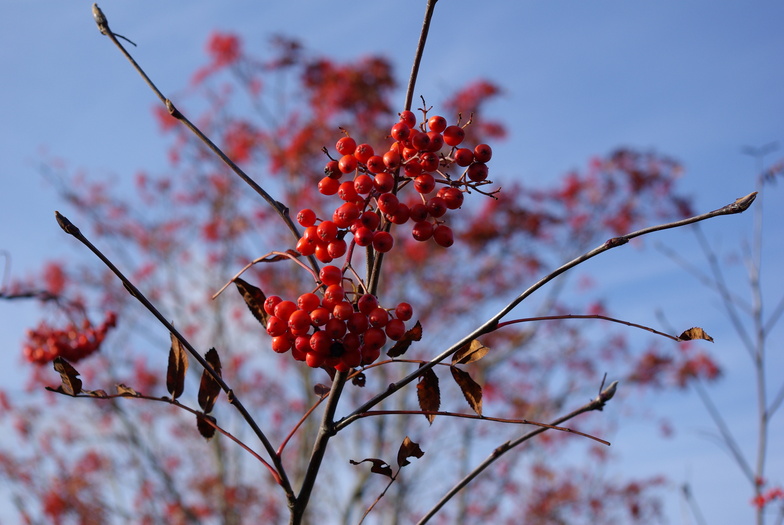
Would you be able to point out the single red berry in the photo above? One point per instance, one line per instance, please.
(333, 295)
(375, 164)
(328, 186)
(284, 309)
(306, 217)
(378, 317)
(418, 212)
(351, 359)
(420, 140)
(388, 203)
(345, 214)
(347, 192)
(347, 164)
(408, 118)
(395, 329)
(363, 236)
(330, 275)
(363, 184)
(454, 135)
(404, 311)
(477, 171)
(443, 236)
(270, 303)
(314, 360)
(436, 141)
(367, 303)
(436, 123)
(483, 153)
(299, 322)
(320, 342)
(463, 157)
(401, 131)
(363, 152)
(412, 168)
(322, 253)
(382, 241)
(351, 342)
(452, 196)
(276, 326)
(335, 328)
(370, 220)
(320, 316)
(401, 214)
(337, 248)
(370, 355)
(391, 159)
(308, 302)
(346, 146)
(429, 161)
(422, 231)
(332, 170)
(358, 323)
(374, 338)
(281, 344)
(327, 231)
(384, 182)
(436, 207)
(343, 310)
(306, 247)
(301, 347)
(425, 183)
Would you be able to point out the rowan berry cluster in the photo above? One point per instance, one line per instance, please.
(72, 343)
(421, 157)
(334, 329)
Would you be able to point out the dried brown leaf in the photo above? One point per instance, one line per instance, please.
(695, 333)
(125, 390)
(411, 335)
(70, 384)
(254, 298)
(321, 390)
(428, 394)
(379, 466)
(408, 449)
(206, 430)
(470, 388)
(209, 388)
(178, 365)
(474, 351)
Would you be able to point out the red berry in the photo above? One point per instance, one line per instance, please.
(308, 302)
(347, 163)
(382, 241)
(319, 316)
(391, 159)
(418, 211)
(284, 309)
(276, 326)
(332, 170)
(419, 140)
(388, 203)
(306, 247)
(404, 311)
(408, 118)
(443, 236)
(337, 248)
(370, 220)
(374, 338)
(412, 168)
(378, 317)
(328, 186)
(299, 322)
(335, 328)
(452, 196)
(327, 231)
(363, 184)
(343, 310)
(320, 342)
(463, 157)
(436, 207)
(363, 236)
(422, 231)
(346, 146)
(483, 153)
(370, 355)
(281, 344)
(315, 360)
(345, 214)
(270, 303)
(363, 152)
(330, 275)
(436, 123)
(306, 217)
(375, 164)
(333, 295)
(367, 303)
(436, 141)
(429, 161)
(384, 182)
(425, 183)
(477, 171)
(401, 131)
(347, 192)
(395, 329)
(454, 135)
(401, 214)
(358, 323)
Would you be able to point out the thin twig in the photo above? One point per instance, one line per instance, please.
(597, 403)
(589, 316)
(431, 5)
(70, 229)
(738, 206)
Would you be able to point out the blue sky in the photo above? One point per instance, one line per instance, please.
(695, 80)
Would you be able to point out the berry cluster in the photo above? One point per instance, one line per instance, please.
(72, 343)
(420, 157)
(335, 329)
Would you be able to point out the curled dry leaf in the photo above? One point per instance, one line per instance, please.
(474, 351)
(254, 298)
(209, 388)
(400, 348)
(428, 394)
(178, 365)
(70, 384)
(470, 388)
(321, 390)
(124, 390)
(379, 466)
(203, 421)
(695, 333)
(408, 449)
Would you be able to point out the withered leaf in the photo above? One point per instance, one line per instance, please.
(178, 365)
(125, 390)
(206, 430)
(69, 377)
(411, 335)
(428, 394)
(379, 466)
(254, 298)
(695, 333)
(470, 388)
(408, 449)
(100, 394)
(474, 351)
(359, 380)
(209, 389)
(321, 390)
